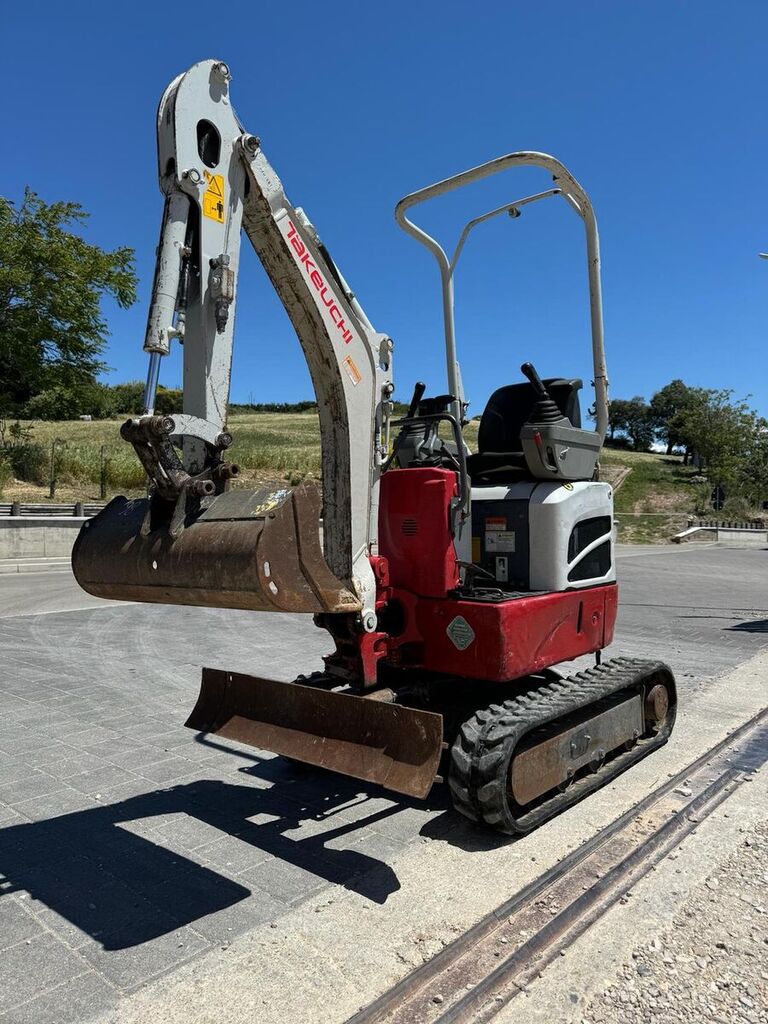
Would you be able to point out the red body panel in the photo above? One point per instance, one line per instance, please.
(414, 532)
(417, 571)
(516, 637)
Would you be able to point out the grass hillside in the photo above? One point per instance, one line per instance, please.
(267, 446)
(652, 501)
(654, 498)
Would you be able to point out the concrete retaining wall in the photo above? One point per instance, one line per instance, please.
(693, 534)
(38, 536)
(742, 538)
(733, 536)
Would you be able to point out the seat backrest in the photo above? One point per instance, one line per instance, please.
(510, 407)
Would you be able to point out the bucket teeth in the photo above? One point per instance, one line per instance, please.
(387, 744)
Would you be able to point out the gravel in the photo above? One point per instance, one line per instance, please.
(712, 964)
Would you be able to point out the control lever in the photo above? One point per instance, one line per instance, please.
(418, 394)
(546, 410)
(529, 371)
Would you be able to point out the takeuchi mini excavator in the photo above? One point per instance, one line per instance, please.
(451, 583)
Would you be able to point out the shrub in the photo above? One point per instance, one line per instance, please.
(28, 461)
(67, 403)
(57, 403)
(128, 399)
(168, 401)
(738, 508)
(6, 473)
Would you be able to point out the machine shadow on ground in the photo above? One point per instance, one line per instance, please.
(447, 825)
(123, 889)
(751, 626)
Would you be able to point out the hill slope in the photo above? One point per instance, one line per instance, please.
(652, 501)
(655, 498)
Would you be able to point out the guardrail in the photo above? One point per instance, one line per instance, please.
(729, 524)
(77, 508)
(694, 521)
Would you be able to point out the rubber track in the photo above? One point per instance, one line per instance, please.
(482, 750)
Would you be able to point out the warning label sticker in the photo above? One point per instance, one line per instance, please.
(352, 371)
(500, 540)
(213, 197)
(495, 522)
(271, 501)
(460, 633)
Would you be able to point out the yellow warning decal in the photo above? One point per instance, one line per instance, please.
(213, 197)
(271, 501)
(352, 371)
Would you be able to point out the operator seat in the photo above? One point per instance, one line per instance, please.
(499, 458)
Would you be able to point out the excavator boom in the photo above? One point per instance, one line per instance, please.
(278, 548)
(218, 184)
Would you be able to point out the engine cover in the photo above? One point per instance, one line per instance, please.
(545, 536)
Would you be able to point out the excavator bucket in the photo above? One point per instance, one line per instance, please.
(388, 744)
(256, 550)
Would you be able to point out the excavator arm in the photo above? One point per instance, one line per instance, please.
(218, 184)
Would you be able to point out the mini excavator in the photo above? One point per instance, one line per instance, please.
(451, 583)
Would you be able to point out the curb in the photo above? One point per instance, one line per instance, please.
(11, 566)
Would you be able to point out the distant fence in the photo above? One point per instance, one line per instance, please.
(729, 524)
(660, 518)
(78, 508)
(691, 521)
(656, 515)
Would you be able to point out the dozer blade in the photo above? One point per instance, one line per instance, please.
(388, 744)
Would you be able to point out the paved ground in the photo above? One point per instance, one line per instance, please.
(128, 847)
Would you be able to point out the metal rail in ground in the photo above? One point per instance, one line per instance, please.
(473, 977)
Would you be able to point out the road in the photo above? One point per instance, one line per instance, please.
(132, 852)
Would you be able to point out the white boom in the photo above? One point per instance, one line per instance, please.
(217, 180)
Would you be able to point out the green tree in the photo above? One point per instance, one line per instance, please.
(168, 401)
(664, 407)
(720, 431)
(617, 419)
(632, 417)
(52, 330)
(128, 398)
(19, 454)
(754, 471)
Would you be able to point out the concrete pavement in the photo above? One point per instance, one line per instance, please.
(336, 953)
(132, 853)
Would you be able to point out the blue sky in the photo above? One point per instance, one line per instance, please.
(658, 108)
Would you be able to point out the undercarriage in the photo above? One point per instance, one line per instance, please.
(510, 764)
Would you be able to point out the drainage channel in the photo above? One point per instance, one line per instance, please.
(472, 978)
